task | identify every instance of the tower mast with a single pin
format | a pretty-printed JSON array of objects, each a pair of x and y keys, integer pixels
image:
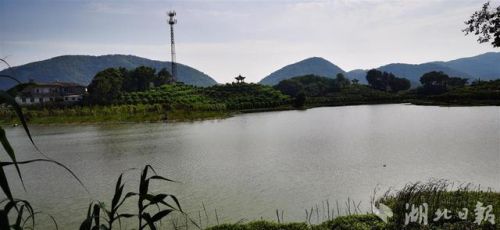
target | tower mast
[{"x": 171, "y": 22}]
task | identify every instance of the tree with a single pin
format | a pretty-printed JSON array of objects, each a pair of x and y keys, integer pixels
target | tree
[
  {"x": 300, "y": 100},
  {"x": 311, "y": 85},
  {"x": 438, "y": 82},
  {"x": 399, "y": 84},
  {"x": 163, "y": 77},
  {"x": 289, "y": 87},
  {"x": 434, "y": 82},
  {"x": 143, "y": 77},
  {"x": 139, "y": 79},
  {"x": 377, "y": 80},
  {"x": 385, "y": 81},
  {"x": 486, "y": 24},
  {"x": 434, "y": 78},
  {"x": 457, "y": 82},
  {"x": 342, "y": 81},
  {"x": 106, "y": 86}
]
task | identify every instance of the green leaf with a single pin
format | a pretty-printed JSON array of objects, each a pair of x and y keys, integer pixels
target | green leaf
[
  {"x": 4, "y": 220},
  {"x": 19, "y": 217},
  {"x": 5, "y": 97},
  {"x": 118, "y": 193},
  {"x": 86, "y": 224},
  {"x": 2, "y": 164},
  {"x": 176, "y": 202},
  {"x": 125, "y": 215},
  {"x": 5, "y": 184},
  {"x": 23, "y": 204},
  {"x": 32, "y": 217},
  {"x": 158, "y": 216},
  {"x": 130, "y": 194},
  {"x": 96, "y": 215},
  {"x": 143, "y": 187},
  {"x": 156, "y": 177},
  {"x": 149, "y": 221},
  {"x": 8, "y": 148},
  {"x": 157, "y": 198}
]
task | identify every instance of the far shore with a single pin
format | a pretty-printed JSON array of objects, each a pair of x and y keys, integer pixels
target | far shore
[{"x": 192, "y": 116}]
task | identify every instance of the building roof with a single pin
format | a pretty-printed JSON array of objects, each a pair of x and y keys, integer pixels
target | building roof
[
  {"x": 31, "y": 89},
  {"x": 56, "y": 84}
]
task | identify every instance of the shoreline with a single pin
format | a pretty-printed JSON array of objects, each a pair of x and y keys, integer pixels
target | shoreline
[{"x": 182, "y": 116}]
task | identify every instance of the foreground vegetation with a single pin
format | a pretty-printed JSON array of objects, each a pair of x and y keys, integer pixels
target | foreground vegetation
[
  {"x": 437, "y": 195},
  {"x": 355, "y": 222}
]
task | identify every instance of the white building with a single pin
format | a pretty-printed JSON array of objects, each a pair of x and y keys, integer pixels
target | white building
[{"x": 57, "y": 92}]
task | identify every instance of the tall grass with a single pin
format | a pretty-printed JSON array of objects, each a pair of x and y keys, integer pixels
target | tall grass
[
  {"x": 146, "y": 215},
  {"x": 440, "y": 194},
  {"x": 20, "y": 211}
]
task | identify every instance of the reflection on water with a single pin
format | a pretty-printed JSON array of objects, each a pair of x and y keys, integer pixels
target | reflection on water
[{"x": 250, "y": 165}]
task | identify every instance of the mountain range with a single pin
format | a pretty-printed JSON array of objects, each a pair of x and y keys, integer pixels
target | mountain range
[
  {"x": 82, "y": 68},
  {"x": 485, "y": 66}
]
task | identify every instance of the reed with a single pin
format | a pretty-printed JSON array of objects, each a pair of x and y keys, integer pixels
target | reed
[
  {"x": 16, "y": 213},
  {"x": 146, "y": 215},
  {"x": 440, "y": 194}
]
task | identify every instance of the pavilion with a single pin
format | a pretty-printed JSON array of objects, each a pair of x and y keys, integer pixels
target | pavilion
[{"x": 239, "y": 79}]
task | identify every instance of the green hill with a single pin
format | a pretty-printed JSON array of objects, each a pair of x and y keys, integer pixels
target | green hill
[
  {"x": 82, "y": 68},
  {"x": 485, "y": 66},
  {"x": 414, "y": 72},
  {"x": 311, "y": 66}
]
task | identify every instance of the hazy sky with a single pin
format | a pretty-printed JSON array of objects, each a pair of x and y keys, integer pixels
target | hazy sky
[{"x": 252, "y": 38}]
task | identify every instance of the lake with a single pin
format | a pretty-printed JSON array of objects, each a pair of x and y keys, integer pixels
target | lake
[{"x": 250, "y": 165}]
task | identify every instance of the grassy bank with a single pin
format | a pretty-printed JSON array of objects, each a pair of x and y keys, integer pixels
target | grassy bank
[
  {"x": 186, "y": 103},
  {"x": 109, "y": 114},
  {"x": 157, "y": 112},
  {"x": 355, "y": 222},
  {"x": 437, "y": 195}
]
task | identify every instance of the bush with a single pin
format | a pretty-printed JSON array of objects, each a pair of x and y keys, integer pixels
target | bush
[
  {"x": 261, "y": 225},
  {"x": 439, "y": 195},
  {"x": 353, "y": 222}
]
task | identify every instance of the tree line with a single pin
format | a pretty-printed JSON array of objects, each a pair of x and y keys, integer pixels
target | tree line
[
  {"x": 385, "y": 81},
  {"x": 302, "y": 87},
  {"x": 142, "y": 85},
  {"x": 110, "y": 83}
]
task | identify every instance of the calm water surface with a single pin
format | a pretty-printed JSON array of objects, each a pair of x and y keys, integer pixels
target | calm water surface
[{"x": 250, "y": 165}]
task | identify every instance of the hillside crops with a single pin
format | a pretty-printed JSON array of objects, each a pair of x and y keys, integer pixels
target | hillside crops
[{"x": 218, "y": 97}]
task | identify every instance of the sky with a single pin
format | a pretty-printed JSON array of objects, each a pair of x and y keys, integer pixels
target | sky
[{"x": 224, "y": 38}]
